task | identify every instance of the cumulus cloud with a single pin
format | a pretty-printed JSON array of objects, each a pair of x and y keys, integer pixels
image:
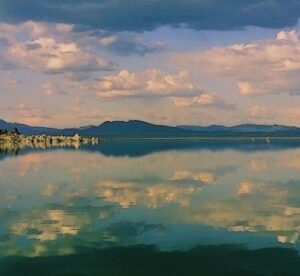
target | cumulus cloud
[
  {"x": 127, "y": 194},
  {"x": 204, "y": 178},
  {"x": 262, "y": 67},
  {"x": 57, "y": 48},
  {"x": 125, "y": 45},
  {"x": 257, "y": 165},
  {"x": 147, "y": 83},
  {"x": 180, "y": 88},
  {"x": 31, "y": 30},
  {"x": 245, "y": 188},
  {"x": 139, "y": 15},
  {"x": 50, "y": 48},
  {"x": 205, "y": 99},
  {"x": 46, "y": 54}
]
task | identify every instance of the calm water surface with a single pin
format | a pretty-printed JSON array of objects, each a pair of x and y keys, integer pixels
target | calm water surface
[{"x": 132, "y": 205}]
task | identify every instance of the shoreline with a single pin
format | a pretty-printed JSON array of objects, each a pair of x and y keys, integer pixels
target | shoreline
[
  {"x": 13, "y": 140},
  {"x": 242, "y": 138}
]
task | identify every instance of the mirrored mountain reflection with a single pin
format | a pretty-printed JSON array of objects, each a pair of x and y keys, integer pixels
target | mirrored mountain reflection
[
  {"x": 54, "y": 202},
  {"x": 142, "y": 147},
  {"x": 147, "y": 260}
]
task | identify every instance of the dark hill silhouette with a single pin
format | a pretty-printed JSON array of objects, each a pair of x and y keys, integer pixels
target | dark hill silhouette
[{"x": 140, "y": 129}]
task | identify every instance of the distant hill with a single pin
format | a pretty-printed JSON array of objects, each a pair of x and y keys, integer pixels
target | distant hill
[
  {"x": 29, "y": 130},
  {"x": 241, "y": 128},
  {"x": 244, "y": 130},
  {"x": 135, "y": 128},
  {"x": 138, "y": 129}
]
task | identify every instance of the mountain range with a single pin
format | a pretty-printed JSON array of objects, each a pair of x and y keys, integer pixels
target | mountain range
[{"x": 139, "y": 129}]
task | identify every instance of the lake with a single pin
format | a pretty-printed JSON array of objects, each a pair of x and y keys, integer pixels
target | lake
[{"x": 152, "y": 207}]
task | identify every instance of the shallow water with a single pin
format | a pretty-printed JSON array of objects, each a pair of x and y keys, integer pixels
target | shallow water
[{"x": 151, "y": 200}]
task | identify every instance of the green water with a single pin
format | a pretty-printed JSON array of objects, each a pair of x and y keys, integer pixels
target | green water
[{"x": 151, "y": 208}]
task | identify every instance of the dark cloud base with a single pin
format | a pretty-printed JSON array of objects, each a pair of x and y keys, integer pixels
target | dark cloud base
[{"x": 141, "y": 15}]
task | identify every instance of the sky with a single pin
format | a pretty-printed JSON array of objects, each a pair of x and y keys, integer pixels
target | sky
[{"x": 66, "y": 63}]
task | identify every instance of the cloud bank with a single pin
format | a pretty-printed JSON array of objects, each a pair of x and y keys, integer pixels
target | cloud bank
[
  {"x": 140, "y": 15},
  {"x": 258, "y": 68},
  {"x": 48, "y": 48},
  {"x": 180, "y": 88}
]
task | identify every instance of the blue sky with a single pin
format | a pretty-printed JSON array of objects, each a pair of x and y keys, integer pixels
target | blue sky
[{"x": 71, "y": 63}]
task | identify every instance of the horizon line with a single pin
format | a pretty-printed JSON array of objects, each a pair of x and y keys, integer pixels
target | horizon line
[{"x": 152, "y": 123}]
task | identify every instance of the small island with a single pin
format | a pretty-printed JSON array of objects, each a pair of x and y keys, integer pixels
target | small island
[{"x": 12, "y": 140}]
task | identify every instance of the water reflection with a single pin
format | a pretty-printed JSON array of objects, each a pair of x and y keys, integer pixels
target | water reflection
[
  {"x": 146, "y": 260},
  {"x": 142, "y": 147},
  {"x": 53, "y": 202}
]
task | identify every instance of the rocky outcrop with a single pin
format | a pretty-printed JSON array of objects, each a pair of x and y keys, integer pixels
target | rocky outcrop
[{"x": 12, "y": 139}]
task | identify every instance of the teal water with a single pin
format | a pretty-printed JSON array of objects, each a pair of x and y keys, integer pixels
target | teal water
[{"x": 151, "y": 208}]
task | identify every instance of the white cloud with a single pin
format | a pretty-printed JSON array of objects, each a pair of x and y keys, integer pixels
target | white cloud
[
  {"x": 258, "y": 111},
  {"x": 146, "y": 84},
  {"x": 249, "y": 89},
  {"x": 204, "y": 99},
  {"x": 48, "y": 55},
  {"x": 108, "y": 40},
  {"x": 56, "y": 48},
  {"x": 263, "y": 67},
  {"x": 149, "y": 82},
  {"x": 205, "y": 178},
  {"x": 183, "y": 91},
  {"x": 292, "y": 35},
  {"x": 31, "y": 30},
  {"x": 245, "y": 188},
  {"x": 51, "y": 48},
  {"x": 127, "y": 194},
  {"x": 127, "y": 44}
]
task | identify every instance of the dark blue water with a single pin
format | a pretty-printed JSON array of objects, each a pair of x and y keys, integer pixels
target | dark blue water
[{"x": 144, "y": 207}]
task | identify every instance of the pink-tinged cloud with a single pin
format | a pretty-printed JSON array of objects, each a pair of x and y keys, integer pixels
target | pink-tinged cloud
[
  {"x": 182, "y": 90},
  {"x": 146, "y": 84},
  {"x": 258, "y": 68},
  {"x": 49, "y": 48},
  {"x": 258, "y": 111},
  {"x": 47, "y": 55},
  {"x": 205, "y": 99}
]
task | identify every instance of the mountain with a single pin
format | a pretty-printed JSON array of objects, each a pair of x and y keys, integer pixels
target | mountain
[
  {"x": 29, "y": 130},
  {"x": 244, "y": 130},
  {"x": 139, "y": 129},
  {"x": 212, "y": 128},
  {"x": 135, "y": 128}
]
